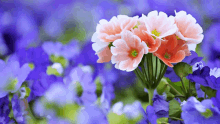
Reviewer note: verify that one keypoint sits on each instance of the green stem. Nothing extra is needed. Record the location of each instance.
(175, 118)
(175, 90)
(183, 84)
(156, 70)
(150, 96)
(189, 88)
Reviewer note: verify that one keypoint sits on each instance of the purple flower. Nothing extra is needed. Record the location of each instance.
(91, 115)
(68, 51)
(210, 7)
(210, 46)
(206, 77)
(18, 107)
(199, 91)
(191, 60)
(80, 78)
(12, 76)
(41, 85)
(216, 100)
(35, 56)
(161, 106)
(195, 112)
(4, 110)
(149, 117)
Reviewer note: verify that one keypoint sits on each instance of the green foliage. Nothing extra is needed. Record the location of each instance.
(163, 86)
(113, 118)
(209, 91)
(182, 69)
(52, 71)
(162, 121)
(98, 87)
(59, 59)
(174, 109)
(207, 114)
(31, 65)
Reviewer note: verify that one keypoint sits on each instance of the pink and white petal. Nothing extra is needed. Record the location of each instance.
(95, 37)
(161, 20)
(124, 64)
(103, 22)
(120, 43)
(128, 37)
(132, 23)
(113, 37)
(119, 58)
(145, 47)
(171, 31)
(137, 41)
(104, 56)
(139, 58)
(130, 66)
(98, 46)
(116, 51)
(152, 18)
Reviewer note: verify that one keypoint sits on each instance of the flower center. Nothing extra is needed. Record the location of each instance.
(110, 44)
(79, 88)
(136, 26)
(156, 33)
(134, 53)
(167, 56)
(11, 85)
(177, 38)
(207, 114)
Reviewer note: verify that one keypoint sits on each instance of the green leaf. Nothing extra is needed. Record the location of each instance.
(59, 59)
(52, 71)
(98, 87)
(113, 118)
(207, 114)
(162, 120)
(182, 69)
(209, 91)
(163, 85)
(174, 109)
(28, 91)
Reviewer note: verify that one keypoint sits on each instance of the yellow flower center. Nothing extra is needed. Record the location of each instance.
(167, 56)
(156, 33)
(136, 26)
(134, 53)
(11, 85)
(110, 44)
(177, 38)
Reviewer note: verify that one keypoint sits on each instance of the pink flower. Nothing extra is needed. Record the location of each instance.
(145, 37)
(159, 26)
(108, 32)
(172, 50)
(128, 51)
(188, 29)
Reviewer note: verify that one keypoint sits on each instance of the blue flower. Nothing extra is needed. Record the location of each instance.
(149, 116)
(12, 76)
(18, 30)
(206, 77)
(199, 91)
(191, 60)
(35, 56)
(4, 110)
(41, 85)
(91, 115)
(195, 112)
(216, 100)
(210, 46)
(80, 78)
(68, 51)
(161, 106)
(211, 8)
(18, 107)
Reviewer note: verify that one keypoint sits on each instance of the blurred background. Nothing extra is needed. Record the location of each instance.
(26, 24)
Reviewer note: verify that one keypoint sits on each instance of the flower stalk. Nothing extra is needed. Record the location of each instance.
(150, 71)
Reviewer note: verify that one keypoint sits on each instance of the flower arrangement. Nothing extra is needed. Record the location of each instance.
(150, 64)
